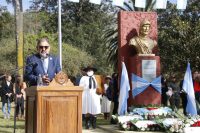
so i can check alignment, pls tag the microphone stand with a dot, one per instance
(15, 114)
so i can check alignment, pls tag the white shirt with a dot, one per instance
(45, 64)
(8, 83)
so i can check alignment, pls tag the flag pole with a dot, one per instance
(59, 33)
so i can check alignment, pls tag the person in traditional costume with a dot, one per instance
(106, 103)
(90, 99)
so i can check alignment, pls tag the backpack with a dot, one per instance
(109, 93)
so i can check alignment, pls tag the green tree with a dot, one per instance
(17, 4)
(6, 25)
(8, 58)
(83, 25)
(73, 58)
(179, 39)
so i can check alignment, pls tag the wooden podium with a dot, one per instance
(54, 109)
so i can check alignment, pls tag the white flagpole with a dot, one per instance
(59, 33)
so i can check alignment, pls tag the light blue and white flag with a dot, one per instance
(139, 84)
(124, 91)
(161, 4)
(95, 1)
(74, 1)
(140, 3)
(189, 89)
(118, 3)
(181, 4)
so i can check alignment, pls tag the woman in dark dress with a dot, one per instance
(20, 87)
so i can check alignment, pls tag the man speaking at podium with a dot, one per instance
(42, 65)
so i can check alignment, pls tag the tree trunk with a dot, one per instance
(19, 35)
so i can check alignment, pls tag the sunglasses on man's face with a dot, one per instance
(41, 47)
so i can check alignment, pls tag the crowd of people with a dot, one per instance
(173, 94)
(13, 91)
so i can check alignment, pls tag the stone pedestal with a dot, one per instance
(147, 67)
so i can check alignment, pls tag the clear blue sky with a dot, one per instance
(10, 8)
(26, 4)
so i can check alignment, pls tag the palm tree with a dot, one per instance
(111, 34)
(17, 4)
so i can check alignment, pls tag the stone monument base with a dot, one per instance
(148, 68)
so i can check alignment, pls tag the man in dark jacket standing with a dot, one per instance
(6, 96)
(42, 64)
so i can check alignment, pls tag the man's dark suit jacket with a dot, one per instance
(34, 67)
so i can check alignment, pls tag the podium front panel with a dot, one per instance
(56, 111)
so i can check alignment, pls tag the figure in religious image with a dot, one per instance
(142, 43)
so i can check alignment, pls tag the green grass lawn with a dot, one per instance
(7, 126)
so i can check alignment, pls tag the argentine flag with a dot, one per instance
(189, 89)
(124, 91)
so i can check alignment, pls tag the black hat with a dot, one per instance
(89, 68)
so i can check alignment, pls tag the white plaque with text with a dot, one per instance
(149, 70)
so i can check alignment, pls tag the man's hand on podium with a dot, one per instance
(45, 79)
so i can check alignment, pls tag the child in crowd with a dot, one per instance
(106, 103)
